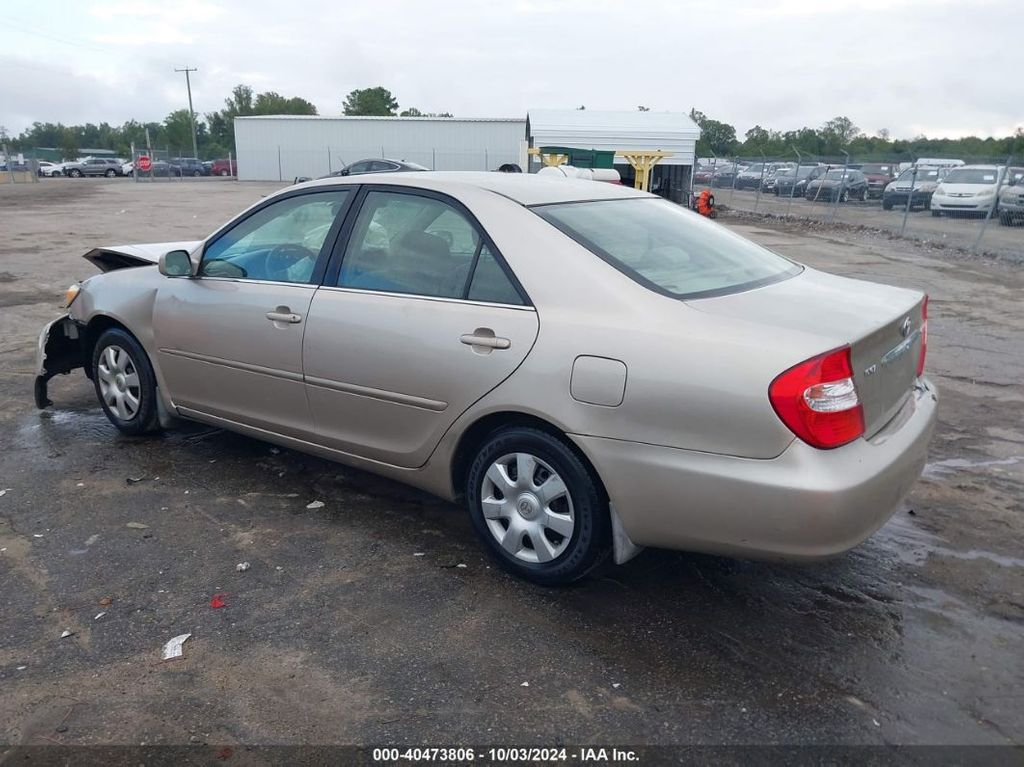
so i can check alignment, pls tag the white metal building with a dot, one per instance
(281, 147)
(618, 131)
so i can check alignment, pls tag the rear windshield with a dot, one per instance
(876, 168)
(970, 176)
(668, 248)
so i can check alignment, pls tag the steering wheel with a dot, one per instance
(282, 257)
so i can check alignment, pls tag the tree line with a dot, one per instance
(840, 134)
(215, 132)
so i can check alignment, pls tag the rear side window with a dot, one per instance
(667, 248)
(420, 245)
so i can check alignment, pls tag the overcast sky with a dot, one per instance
(930, 66)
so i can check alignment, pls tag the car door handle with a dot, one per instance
(283, 314)
(484, 338)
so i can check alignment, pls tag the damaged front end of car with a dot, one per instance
(61, 349)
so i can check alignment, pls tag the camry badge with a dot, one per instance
(905, 327)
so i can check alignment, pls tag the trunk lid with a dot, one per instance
(881, 324)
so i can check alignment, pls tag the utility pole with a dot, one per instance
(191, 114)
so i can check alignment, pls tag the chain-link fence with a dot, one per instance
(975, 204)
(284, 163)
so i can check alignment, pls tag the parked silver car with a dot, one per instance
(93, 166)
(591, 368)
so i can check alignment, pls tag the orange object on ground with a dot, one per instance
(706, 204)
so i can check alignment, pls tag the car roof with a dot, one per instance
(524, 188)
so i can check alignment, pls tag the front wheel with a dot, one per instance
(125, 383)
(75, 173)
(110, 173)
(537, 507)
(224, 173)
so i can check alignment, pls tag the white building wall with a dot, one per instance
(282, 147)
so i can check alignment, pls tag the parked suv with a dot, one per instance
(94, 166)
(923, 181)
(190, 166)
(838, 184)
(879, 174)
(224, 168)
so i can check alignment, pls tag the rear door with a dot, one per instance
(417, 319)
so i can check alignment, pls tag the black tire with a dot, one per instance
(886, 204)
(145, 419)
(936, 213)
(225, 173)
(864, 195)
(588, 545)
(110, 173)
(197, 173)
(75, 173)
(844, 196)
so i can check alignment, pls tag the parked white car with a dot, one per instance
(967, 189)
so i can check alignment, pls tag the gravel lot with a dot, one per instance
(1006, 242)
(356, 622)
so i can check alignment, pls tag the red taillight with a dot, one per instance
(924, 336)
(818, 400)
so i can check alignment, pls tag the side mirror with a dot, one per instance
(176, 264)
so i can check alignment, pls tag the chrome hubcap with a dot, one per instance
(527, 508)
(119, 382)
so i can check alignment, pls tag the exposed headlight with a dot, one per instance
(71, 294)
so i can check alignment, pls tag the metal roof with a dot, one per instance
(591, 129)
(386, 118)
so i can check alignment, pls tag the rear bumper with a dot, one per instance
(805, 504)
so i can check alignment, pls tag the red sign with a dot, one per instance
(144, 163)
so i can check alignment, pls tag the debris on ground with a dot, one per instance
(419, 554)
(137, 526)
(315, 505)
(92, 539)
(99, 615)
(217, 601)
(67, 633)
(106, 601)
(242, 566)
(525, 684)
(5, 491)
(133, 480)
(173, 648)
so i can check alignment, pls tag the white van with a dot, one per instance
(968, 189)
(937, 162)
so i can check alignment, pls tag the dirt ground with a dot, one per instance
(961, 231)
(357, 622)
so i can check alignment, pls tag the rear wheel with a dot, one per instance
(75, 173)
(110, 173)
(125, 384)
(224, 173)
(537, 507)
(844, 195)
(864, 195)
(197, 173)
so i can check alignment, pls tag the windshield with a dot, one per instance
(971, 176)
(923, 174)
(668, 249)
(876, 168)
(836, 175)
(756, 168)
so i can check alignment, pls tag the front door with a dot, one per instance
(421, 319)
(230, 339)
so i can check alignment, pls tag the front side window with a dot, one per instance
(409, 243)
(668, 249)
(280, 242)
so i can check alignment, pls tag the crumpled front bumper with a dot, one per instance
(61, 349)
